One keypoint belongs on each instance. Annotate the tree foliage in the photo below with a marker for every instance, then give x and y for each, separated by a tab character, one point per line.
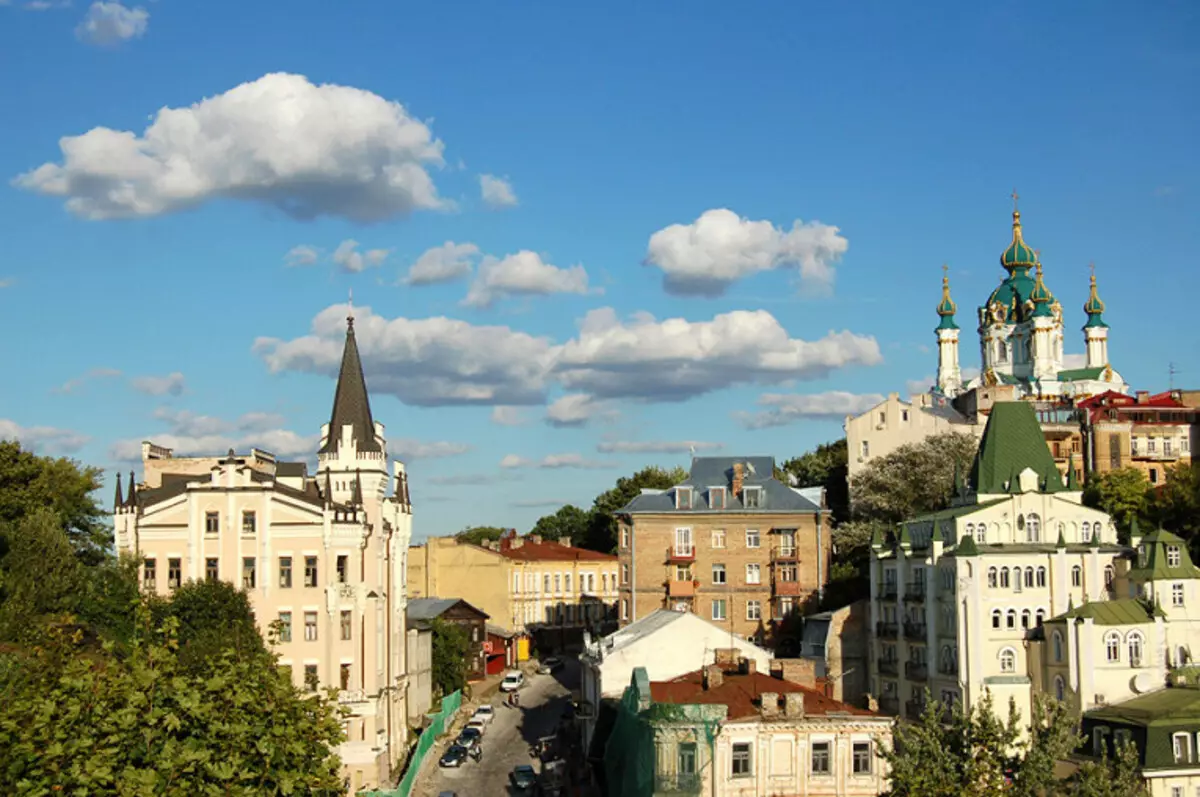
980	754
449	658
1123	493
1176	504
30	483
569	521
601	532
477	535
825	466
213	617
912	480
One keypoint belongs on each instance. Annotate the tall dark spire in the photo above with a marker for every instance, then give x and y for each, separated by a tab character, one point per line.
356	499
351	407
118	500
131	499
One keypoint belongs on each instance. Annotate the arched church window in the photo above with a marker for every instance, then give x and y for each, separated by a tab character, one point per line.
1058	646
1001	352
1134	642
991	577
1041	576
1112	647
1060	688
1033	527
1004	577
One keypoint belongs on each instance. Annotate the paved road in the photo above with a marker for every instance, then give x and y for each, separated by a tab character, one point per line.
507	740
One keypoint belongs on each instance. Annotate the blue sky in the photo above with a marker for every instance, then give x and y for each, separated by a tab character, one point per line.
643	225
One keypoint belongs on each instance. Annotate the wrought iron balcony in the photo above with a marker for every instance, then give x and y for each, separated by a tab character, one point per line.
889	667
914	591
948	667
916	670
915	630
886	591
885	630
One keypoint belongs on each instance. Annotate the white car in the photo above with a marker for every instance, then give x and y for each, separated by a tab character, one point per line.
512	682
484	714
477	724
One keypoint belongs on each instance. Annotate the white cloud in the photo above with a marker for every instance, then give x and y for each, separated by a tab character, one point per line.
676	359
657	447
172	384
466	479
785	408
508	416
444	263
426	362
112	23
350	260
190	434
1074	361
45	439
577	409
554	462
308	150
302	255
74	384
497	192
408	449
7	282
921	385
522	274
538	503
707	256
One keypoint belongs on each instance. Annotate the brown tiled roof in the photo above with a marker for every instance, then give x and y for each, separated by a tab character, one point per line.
741	692
532	551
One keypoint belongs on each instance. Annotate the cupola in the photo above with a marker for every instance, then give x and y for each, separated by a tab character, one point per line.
946	307
1094	307
1040	297
1019	255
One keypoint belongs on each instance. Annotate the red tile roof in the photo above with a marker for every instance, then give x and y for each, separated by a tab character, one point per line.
740	693
531	551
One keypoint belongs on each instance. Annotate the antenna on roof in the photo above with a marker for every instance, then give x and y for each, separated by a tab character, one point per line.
1171	371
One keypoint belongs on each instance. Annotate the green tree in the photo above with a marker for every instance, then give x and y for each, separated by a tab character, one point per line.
1176	504
40	576
87	721
477	535
912	480
1123	493
449	660
601	532
825	466
569	521
29	483
213	618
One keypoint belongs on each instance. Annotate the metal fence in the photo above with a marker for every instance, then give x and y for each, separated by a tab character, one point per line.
438	722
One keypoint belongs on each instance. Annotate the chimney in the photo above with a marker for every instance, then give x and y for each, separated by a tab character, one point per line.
769	705
713	677
535	537
564	542
1143	396
797	671
747	666
725	657
737	479
793	705
515	542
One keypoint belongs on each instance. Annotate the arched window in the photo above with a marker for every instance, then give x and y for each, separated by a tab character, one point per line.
1011	618
970	530
1057	641
1033	527
1108	577
996	618
1134	642
1025	616
1008	660
1029	578
1112	647
1041	576
1004	577
1060	688
1040	616
991	577
1076	576
981	533
1085	531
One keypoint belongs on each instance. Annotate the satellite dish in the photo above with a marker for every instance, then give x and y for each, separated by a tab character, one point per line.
1143	682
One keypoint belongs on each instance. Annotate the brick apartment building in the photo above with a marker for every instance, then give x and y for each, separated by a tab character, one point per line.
731	543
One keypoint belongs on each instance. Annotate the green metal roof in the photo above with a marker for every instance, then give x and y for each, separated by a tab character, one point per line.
1155	566
1094	308
946	307
1080	374
1166	706
1123	611
1012	442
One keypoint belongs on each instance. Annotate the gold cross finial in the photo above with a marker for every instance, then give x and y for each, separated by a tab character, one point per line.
1092	268
1015	197
350	317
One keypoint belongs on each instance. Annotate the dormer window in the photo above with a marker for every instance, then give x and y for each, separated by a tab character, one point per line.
752	497
1141	555
716	497
683	497
1173	557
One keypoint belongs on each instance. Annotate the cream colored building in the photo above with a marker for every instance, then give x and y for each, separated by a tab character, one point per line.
322	554
894	422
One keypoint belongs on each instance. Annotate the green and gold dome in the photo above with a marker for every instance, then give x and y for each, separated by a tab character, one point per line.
1041	298
1018	255
1094	308
946	307
1016	292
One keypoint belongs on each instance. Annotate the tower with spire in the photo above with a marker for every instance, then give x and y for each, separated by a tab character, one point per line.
949	376
1095	331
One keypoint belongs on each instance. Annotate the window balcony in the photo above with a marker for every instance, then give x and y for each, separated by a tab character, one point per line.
1154	456
886	591
915	630
889	705
681	553
786	588
784	553
916	670
914	591
885	630
889	667
948	668
682	589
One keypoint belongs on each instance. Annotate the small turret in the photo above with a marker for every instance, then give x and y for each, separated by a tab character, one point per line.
1094	307
118	501
1072	481
356	498
946	307
131	499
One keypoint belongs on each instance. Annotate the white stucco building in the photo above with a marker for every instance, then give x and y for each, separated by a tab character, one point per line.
322	554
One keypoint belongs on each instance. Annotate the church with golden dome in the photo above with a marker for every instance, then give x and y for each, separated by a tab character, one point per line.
1020	328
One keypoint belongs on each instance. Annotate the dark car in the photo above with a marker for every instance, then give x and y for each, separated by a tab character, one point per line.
523	778
550	664
469	738
454	757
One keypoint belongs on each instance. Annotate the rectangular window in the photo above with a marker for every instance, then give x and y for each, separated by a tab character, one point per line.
787	543
567	583
343	568
718	538
786	607
1173	557
753	574
752	538
624	609
788	572
285	571
310	571
741	760
1176	594
285	626
1154	475
718	573
174	573
516	582
149	574
624	575
310	626
212	522
683	497
1181	745
820	758
753	610
752	497
718	609
248	522
624	537
557	583
866	449
683	572
311	682
861	758
248	572
546	583
347	624
1151	444
904	415
212	569
344	676
604	582
716	497
687	759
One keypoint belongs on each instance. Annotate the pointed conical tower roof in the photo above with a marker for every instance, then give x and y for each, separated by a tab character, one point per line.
118	501
1094	307
131	498
1072	482
1012	441
351	406
946	307
328	490
1040	296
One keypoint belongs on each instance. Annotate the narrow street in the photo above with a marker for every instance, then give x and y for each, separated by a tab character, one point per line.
507	740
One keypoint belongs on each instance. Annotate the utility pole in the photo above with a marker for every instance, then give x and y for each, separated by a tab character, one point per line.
1171	371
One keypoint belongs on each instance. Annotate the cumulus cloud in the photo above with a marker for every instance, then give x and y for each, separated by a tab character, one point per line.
497	192
577	409
676	359
424	362
657	447
172	384
308	150
466	479
522	274
350	260
1074	361
922	385
554	462
785	408
445	263
111	23
44	439
302	255
74	384
408	449
192	434
508	416
707	256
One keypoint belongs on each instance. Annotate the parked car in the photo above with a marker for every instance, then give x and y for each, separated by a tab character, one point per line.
549	665
447	794
477	724
453	757
485	713
523	778
469	738
512	681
